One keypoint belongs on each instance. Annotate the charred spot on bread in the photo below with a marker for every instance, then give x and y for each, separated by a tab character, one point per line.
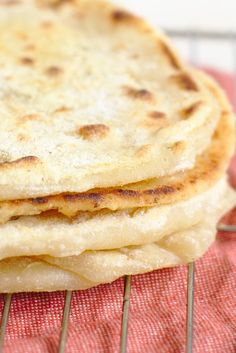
23	161
92	196
184	81
22	137
127	193
62	109
161	190
186	113
54	3
9	2
40	200
92	131
138	93
156	115
28	117
26	60
54	71
177	146
121	15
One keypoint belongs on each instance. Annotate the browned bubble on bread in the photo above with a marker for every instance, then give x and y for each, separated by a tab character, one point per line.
28	117
139	94
9	2
120	16
157	115
186	113
89	132
178	146
184	81
54	71
24	161
28	61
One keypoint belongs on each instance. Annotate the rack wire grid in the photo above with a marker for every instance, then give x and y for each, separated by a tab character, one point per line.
190	40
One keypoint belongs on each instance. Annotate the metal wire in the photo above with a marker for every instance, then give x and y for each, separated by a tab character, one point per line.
5	315
65	321
226	228
190	301
201	34
125	316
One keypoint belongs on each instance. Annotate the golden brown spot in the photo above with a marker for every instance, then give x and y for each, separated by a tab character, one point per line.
40	200
22	35
141	94
28	160
216	135
184	81
126	193
178	146
225	113
47	24
155	125
95	197
142	151
119	46
169	54
22	137
30	117
55	3
62	109
135	56
157	115
8	77
123	16
161	190
54	71
27	61
9	2
89	132
30	47
192	109
49	214
156	121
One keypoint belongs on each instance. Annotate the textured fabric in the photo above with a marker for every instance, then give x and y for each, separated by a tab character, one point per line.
157	313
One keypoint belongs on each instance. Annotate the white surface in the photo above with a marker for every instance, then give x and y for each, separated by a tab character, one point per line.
213	15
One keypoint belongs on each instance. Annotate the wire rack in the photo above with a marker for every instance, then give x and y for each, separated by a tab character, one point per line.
192	39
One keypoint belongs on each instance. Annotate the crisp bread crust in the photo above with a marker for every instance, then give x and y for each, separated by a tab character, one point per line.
85	269
93	97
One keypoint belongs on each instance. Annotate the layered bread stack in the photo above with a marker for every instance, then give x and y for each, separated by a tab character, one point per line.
113	152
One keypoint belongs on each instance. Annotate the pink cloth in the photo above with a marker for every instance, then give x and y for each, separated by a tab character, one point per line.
157	313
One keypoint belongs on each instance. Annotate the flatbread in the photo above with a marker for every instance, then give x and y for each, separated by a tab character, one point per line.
91	268
209	167
92	97
54	235
21	274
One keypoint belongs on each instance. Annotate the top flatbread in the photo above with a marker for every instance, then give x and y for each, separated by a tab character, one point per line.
209	168
92	97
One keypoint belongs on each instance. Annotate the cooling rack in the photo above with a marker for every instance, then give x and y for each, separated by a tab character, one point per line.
192	39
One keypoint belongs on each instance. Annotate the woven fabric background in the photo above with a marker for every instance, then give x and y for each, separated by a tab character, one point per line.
158	306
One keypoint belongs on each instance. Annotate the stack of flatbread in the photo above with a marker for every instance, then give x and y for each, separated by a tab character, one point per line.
113	153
